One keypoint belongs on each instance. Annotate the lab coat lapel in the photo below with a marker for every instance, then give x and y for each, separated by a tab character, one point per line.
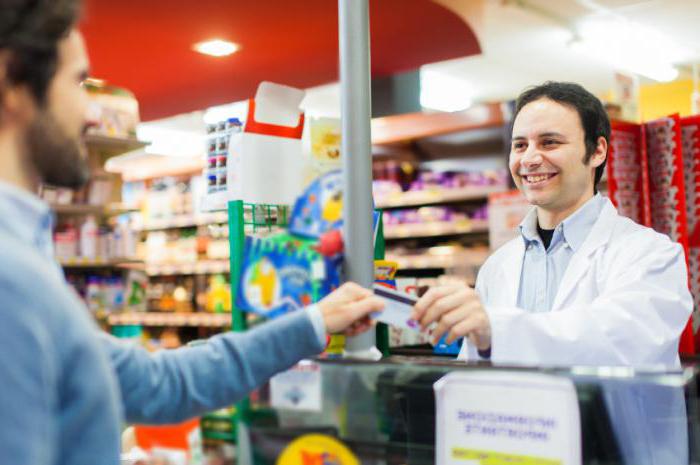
581	260
512	269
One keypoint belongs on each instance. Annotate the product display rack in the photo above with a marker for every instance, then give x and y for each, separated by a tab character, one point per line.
265	218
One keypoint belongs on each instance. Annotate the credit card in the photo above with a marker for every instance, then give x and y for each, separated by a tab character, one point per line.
398	307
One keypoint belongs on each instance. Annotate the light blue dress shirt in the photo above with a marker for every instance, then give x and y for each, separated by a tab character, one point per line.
543	270
66	387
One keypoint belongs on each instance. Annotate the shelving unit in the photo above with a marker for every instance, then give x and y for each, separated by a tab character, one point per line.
86	209
184	221
198	267
97	262
436	229
112	144
469	141
435	196
156	319
442	258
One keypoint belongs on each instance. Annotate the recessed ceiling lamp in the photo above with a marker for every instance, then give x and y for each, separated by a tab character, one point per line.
216	48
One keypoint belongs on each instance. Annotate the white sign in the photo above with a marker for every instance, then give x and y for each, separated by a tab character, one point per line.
497	417
298	388
506	211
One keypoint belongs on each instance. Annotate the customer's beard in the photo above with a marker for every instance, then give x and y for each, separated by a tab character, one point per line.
57	159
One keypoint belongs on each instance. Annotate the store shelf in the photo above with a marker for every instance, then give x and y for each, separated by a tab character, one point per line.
440	258
82	262
199	267
436	229
83	209
436	196
197	319
411	126
113	144
183	221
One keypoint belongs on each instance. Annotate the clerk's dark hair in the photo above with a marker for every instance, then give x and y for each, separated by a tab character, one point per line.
30	31
591	112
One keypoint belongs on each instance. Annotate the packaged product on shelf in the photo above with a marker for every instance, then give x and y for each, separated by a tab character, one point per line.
65	239
282	273
218	295
115	110
385	273
320	208
324	137
88	238
136	286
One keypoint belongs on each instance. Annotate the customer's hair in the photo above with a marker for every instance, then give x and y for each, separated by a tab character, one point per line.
590	110
30	31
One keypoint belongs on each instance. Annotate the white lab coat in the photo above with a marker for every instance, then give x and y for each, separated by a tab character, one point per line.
623	300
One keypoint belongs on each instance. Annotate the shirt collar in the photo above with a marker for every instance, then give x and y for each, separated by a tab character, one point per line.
25	216
575	228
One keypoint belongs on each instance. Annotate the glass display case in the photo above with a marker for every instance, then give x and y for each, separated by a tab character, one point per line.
385	413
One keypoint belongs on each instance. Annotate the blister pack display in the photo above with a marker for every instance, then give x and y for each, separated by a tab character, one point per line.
649	169
690	137
666	179
627	181
667	190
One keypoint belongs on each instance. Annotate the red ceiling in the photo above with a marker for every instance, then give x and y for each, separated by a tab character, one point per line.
145	45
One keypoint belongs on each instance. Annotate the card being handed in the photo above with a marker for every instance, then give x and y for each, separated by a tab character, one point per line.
398	307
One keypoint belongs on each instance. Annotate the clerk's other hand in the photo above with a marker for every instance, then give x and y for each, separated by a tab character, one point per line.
458	311
347	309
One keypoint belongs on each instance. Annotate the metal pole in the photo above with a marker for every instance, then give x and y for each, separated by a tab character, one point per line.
356	152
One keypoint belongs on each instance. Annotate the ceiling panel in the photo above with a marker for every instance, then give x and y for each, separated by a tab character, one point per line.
146	45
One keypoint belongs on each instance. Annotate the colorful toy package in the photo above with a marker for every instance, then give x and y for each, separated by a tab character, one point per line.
385	273
282	273
320	209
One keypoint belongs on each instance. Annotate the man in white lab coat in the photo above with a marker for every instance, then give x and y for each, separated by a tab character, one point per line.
580	285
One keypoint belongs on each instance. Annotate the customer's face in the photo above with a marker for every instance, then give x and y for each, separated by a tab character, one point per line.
55	137
547	156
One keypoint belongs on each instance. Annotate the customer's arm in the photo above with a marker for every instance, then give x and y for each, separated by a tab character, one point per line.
174	385
28	373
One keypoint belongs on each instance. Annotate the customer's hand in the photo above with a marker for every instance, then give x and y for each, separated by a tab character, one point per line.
458	311
347	309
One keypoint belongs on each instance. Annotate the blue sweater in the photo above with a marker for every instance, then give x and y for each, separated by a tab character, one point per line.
65	387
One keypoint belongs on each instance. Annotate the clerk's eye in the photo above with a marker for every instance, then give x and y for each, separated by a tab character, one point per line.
519	145
550	143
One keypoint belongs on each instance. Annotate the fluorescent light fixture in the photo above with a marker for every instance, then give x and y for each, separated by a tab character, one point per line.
442	92
630	47
170	142
216	48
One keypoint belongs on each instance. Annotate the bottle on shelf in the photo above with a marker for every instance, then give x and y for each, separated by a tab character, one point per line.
88	238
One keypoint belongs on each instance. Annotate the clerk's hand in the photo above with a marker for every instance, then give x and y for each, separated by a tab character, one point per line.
347	309
458	311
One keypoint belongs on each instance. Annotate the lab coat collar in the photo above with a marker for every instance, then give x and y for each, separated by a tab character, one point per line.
599	236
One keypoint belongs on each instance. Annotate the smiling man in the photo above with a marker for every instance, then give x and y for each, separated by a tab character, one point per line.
581	285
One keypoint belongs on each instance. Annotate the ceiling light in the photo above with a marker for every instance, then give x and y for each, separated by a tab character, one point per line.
441	92
630	47
216	48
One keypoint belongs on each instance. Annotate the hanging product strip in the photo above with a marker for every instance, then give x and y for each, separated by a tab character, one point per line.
647	182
